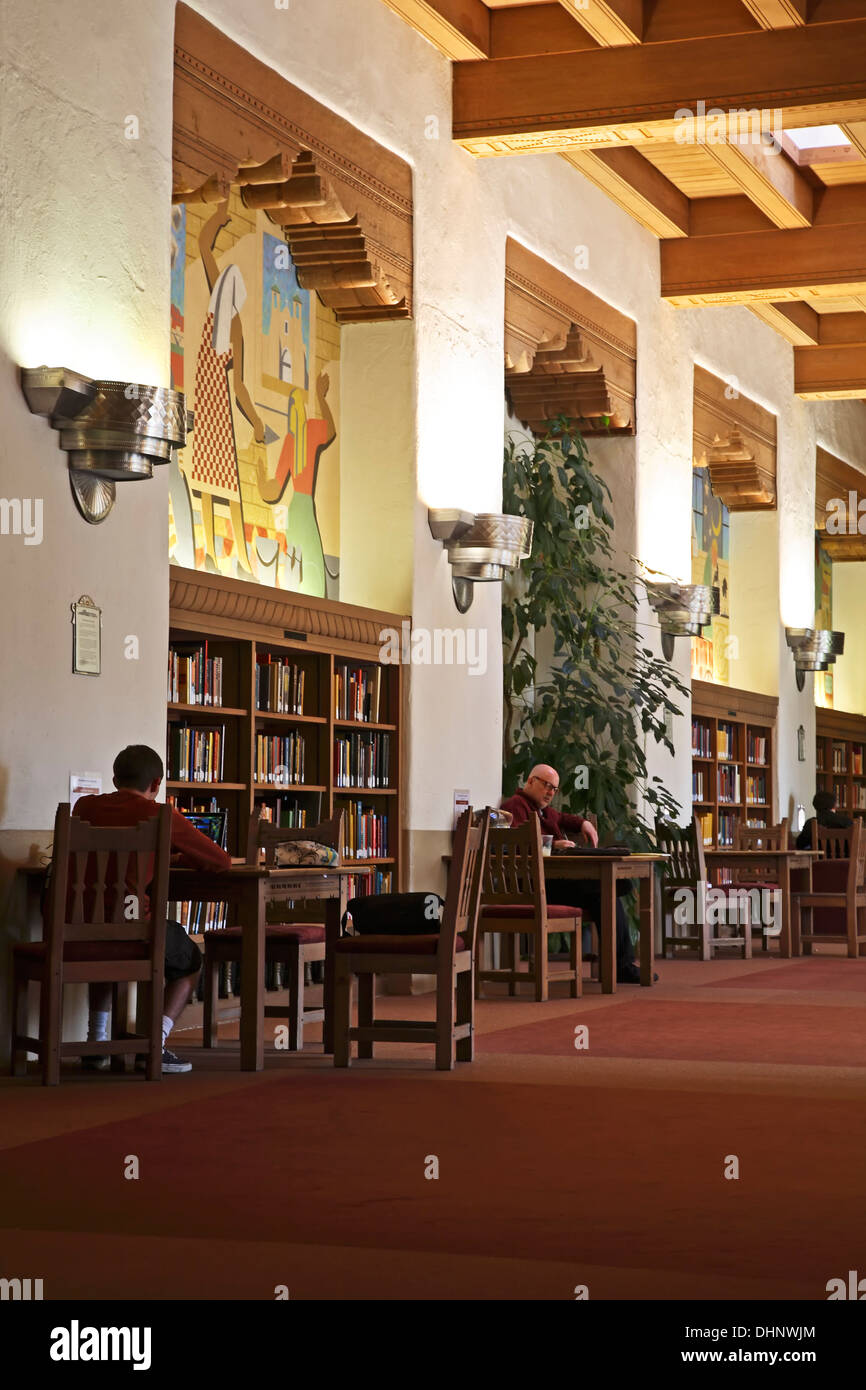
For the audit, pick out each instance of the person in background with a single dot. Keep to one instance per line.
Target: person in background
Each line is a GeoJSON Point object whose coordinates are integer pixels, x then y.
{"type": "Point", "coordinates": [826, 815]}
{"type": "Point", "coordinates": [138, 775]}
{"type": "Point", "coordinates": [534, 799]}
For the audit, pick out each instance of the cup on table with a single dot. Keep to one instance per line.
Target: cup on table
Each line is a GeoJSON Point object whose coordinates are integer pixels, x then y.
{"type": "Point", "coordinates": [546, 844]}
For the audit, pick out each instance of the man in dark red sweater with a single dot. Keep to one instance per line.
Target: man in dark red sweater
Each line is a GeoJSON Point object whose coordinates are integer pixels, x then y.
{"type": "Point", "coordinates": [138, 776]}
{"type": "Point", "coordinates": [534, 799]}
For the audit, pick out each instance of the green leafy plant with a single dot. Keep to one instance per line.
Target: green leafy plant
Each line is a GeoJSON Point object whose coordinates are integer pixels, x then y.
{"type": "Point", "coordinates": [606, 691]}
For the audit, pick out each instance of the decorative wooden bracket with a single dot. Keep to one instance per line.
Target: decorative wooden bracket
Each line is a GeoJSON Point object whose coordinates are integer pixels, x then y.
{"type": "Point", "coordinates": [343, 202]}
{"type": "Point", "coordinates": [839, 490]}
{"type": "Point", "coordinates": [567, 353]}
{"type": "Point", "coordinates": [736, 439]}
{"type": "Point", "coordinates": [735, 476]}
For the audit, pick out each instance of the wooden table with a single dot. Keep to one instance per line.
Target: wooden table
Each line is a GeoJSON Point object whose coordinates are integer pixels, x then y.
{"type": "Point", "coordinates": [606, 870]}
{"type": "Point", "coordinates": [247, 890]}
{"type": "Point", "coordinates": [778, 864]}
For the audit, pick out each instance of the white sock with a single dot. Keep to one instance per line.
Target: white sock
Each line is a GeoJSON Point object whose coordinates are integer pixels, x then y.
{"type": "Point", "coordinates": [167, 1025]}
{"type": "Point", "coordinates": [97, 1026]}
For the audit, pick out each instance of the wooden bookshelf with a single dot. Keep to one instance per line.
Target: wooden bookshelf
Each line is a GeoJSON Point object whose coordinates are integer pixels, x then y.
{"type": "Point", "coordinates": [249, 626]}
{"type": "Point", "coordinates": [840, 758]}
{"type": "Point", "coordinates": [733, 760]}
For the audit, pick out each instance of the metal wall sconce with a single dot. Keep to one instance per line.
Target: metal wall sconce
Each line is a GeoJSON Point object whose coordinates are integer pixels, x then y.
{"type": "Point", "coordinates": [813, 649]}
{"type": "Point", "coordinates": [482, 549]}
{"type": "Point", "coordinates": [683, 610]}
{"type": "Point", "coordinates": [112, 431]}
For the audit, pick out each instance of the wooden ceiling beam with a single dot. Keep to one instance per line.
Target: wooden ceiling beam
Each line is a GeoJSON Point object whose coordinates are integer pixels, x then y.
{"type": "Point", "coordinates": [638, 187]}
{"type": "Point", "coordinates": [610, 22]}
{"type": "Point", "coordinates": [830, 373]}
{"type": "Point", "coordinates": [733, 212]}
{"type": "Point", "coordinates": [782, 264]}
{"type": "Point", "coordinates": [609, 96]}
{"type": "Point", "coordinates": [458, 28]}
{"type": "Point", "coordinates": [531, 29]}
{"type": "Point", "coordinates": [797, 322]}
{"type": "Point", "coordinates": [770, 179]}
{"type": "Point", "coordinates": [838, 329]}
{"type": "Point", "coordinates": [777, 14]}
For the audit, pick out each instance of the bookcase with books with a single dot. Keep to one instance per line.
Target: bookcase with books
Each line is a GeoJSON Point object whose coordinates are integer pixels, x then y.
{"type": "Point", "coordinates": [733, 759]}
{"type": "Point", "coordinates": [278, 701]}
{"type": "Point", "coordinates": [840, 758]}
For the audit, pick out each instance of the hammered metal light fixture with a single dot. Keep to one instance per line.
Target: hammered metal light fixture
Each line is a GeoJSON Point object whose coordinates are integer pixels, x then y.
{"type": "Point", "coordinates": [481, 549]}
{"type": "Point", "coordinates": [112, 431]}
{"type": "Point", "coordinates": [813, 649]}
{"type": "Point", "coordinates": [683, 610]}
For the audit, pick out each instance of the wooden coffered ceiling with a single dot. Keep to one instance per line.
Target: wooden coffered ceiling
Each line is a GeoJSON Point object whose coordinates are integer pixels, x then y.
{"type": "Point", "coordinates": [601, 82]}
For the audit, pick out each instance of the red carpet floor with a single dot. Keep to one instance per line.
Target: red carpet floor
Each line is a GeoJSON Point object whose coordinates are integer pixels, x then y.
{"type": "Point", "coordinates": [603, 1166]}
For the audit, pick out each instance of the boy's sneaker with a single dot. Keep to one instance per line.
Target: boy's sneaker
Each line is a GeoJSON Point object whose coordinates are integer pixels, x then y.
{"type": "Point", "coordinates": [95, 1062]}
{"type": "Point", "coordinates": [170, 1062]}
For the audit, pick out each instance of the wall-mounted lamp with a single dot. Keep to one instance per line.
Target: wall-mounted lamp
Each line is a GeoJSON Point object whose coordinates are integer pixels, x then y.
{"type": "Point", "coordinates": [683, 610]}
{"type": "Point", "coordinates": [813, 649]}
{"type": "Point", "coordinates": [481, 549]}
{"type": "Point", "coordinates": [112, 431]}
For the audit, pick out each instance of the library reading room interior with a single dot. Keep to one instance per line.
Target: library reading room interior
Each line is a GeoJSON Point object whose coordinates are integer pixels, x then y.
{"type": "Point", "coordinates": [448, 761]}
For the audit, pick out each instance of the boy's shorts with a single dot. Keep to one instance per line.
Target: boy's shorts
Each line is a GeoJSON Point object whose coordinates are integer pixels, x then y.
{"type": "Point", "coordinates": [182, 955]}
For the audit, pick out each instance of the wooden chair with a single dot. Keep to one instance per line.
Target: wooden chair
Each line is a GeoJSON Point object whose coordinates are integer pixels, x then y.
{"type": "Point", "coordinates": [760, 837]}
{"type": "Point", "coordinates": [449, 954]}
{"type": "Point", "coordinates": [834, 843]}
{"type": "Point", "coordinates": [514, 903]}
{"type": "Point", "coordinates": [90, 937]}
{"type": "Point", "coordinates": [686, 870]}
{"type": "Point", "coordinates": [290, 944]}
{"type": "Point", "coordinates": [844, 895]}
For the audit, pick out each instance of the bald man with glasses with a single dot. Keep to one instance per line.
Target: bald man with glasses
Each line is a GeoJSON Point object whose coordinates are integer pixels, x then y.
{"type": "Point", "coordinates": [534, 799]}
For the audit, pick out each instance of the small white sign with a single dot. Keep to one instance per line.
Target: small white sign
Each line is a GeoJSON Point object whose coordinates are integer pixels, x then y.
{"type": "Point", "coordinates": [461, 804]}
{"type": "Point", "coordinates": [84, 784]}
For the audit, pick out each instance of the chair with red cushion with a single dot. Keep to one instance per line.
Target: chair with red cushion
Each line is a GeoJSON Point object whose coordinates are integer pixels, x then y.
{"type": "Point", "coordinates": [99, 879]}
{"type": "Point", "coordinates": [835, 910]}
{"type": "Point", "coordinates": [448, 954]}
{"type": "Point", "coordinates": [290, 944]}
{"type": "Point", "coordinates": [514, 903]}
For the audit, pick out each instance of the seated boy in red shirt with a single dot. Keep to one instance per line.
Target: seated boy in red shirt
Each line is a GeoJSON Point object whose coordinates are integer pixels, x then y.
{"type": "Point", "coordinates": [138, 775]}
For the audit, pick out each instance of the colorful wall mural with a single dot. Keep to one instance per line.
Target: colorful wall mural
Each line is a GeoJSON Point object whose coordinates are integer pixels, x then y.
{"type": "Point", "coordinates": [255, 494]}
{"type": "Point", "coordinates": [711, 565]}
{"type": "Point", "coordinates": [823, 619]}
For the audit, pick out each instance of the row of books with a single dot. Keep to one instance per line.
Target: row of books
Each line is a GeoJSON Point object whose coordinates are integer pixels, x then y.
{"type": "Point", "coordinates": [196, 755]}
{"type": "Point", "coordinates": [840, 763]}
{"type": "Point", "coordinates": [357, 693]}
{"type": "Point", "coordinates": [197, 918]}
{"type": "Point", "coordinates": [860, 798]}
{"type": "Point", "coordinates": [279, 685]}
{"type": "Point", "coordinates": [702, 740]}
{"type": "Point", "coordinates": [287, 812]}
{"type": "Point", "coordinates": [365, 832]}
{"type": "Point", "coordinates": [756, 747]}
{"type": "Point", "coordinates": [726, 741]}
{"type": "Point", "coordinates": [756, 788]}
{"type": "Point", "coordinates": [705, 826]}
{"type": "Point", "coordinates": [362, 760]}
{"type": "Point", "coordinates": [194, 678]}
{"type": "Point", "coordinates": [729, 783]}
{"type": "Point", "coordinates": [698, 784]}
{"type": "Point", "coordinates": [279, 758]}
{"type": "Point", "coordinates": [362, 885]}
{"type": "Point", "coordinates": [857, 759]}
{"type": "Point", "coordinates": [728, 821]}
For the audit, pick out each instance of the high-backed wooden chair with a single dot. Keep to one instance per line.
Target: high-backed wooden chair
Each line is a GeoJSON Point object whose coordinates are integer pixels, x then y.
{"type": "Point", "coordinates": [760, 837]}
{"type": "Point", "coordinates": [833, 842]}
{"type": "Point", "coordinates": [449, 954]}
{"type": "Point", "coordinates": [291, 944]}
{"type": "Point", "coordinates": [95, 932]}
{"type": "Point", "coordinates": [841, 897]}
{"type": "Point", "coordinates": [686, 870]}
{"type": "Point", "coordinates": [514, 903]}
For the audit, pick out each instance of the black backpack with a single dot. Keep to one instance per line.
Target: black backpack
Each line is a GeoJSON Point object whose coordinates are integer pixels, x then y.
{"type": "Point", "coordinates": [395, 914]}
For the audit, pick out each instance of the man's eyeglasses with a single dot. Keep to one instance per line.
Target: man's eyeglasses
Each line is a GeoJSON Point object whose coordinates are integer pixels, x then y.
{"type": "Point", "coordinates": [548, 785]}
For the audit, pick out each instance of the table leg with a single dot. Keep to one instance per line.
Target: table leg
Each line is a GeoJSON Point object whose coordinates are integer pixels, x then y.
{"type": "Point", "coordinates": [252, 915]}
{"type": "Point", "coordinates": [785, 939]}
{"type": "Point", "coordinates": [334, 909]}
{"type": "Point", "coordinates": [607, 930]}
{"type": "Point", "coordinates": [645, 919]}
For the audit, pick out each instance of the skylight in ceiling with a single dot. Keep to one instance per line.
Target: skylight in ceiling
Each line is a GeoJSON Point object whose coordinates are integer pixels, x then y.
{"type": "Point", "coordinates": [813, 137]}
